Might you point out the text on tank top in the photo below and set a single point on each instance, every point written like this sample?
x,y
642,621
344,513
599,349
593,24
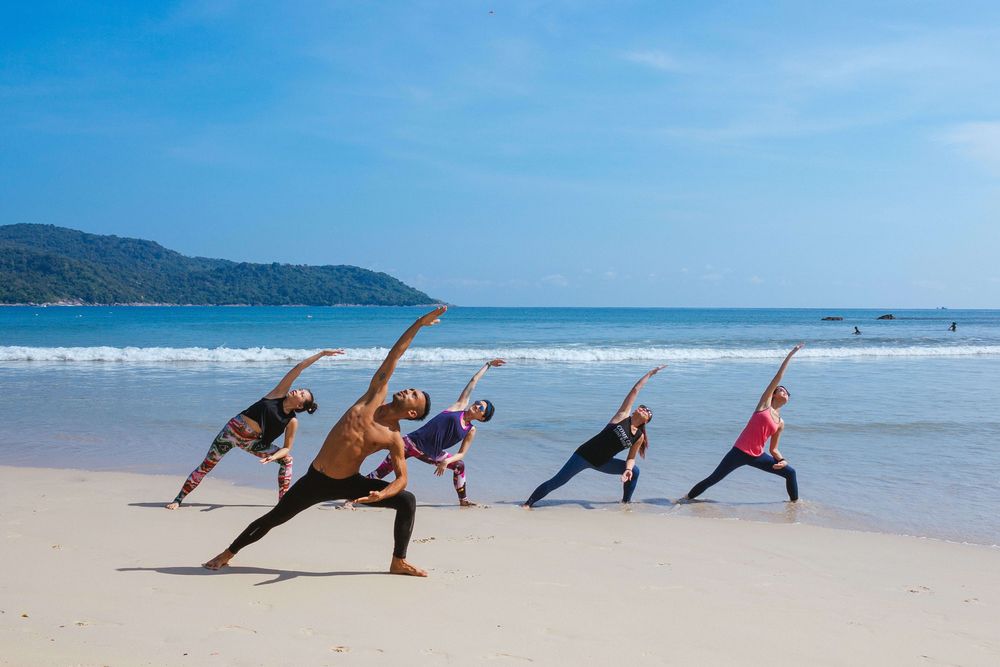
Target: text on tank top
x,y
271,416
612,439
760,427
440,433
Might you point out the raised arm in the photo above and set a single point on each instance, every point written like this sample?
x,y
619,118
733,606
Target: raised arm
x,y
286,382
377,389
626,408
463,399
765,398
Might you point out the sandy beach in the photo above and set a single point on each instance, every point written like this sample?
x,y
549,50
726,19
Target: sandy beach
x,y
96,573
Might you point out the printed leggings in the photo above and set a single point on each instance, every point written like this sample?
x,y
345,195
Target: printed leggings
x,y
236,434
737,458
457,467
578,464
315,487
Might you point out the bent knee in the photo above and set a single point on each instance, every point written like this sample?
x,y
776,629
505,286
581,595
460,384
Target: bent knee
x,y
407,500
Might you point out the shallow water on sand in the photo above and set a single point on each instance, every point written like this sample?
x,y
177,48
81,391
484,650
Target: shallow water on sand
x,y
895,430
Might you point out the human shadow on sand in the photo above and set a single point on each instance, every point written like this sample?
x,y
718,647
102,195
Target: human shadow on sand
x,y
202,507
279,575
548,502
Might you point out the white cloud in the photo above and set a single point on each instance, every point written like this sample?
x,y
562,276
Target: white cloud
x,y
656,59
979,141
756,280
556,279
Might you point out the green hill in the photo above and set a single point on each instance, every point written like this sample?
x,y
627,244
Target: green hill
x,y
48,264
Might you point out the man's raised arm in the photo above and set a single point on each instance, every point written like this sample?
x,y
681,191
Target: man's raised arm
x,y
377,389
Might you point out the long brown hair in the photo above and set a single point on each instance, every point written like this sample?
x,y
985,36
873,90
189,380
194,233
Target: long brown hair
x,y
645,441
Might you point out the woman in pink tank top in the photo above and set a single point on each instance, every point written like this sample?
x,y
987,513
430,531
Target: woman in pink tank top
x,y
765,423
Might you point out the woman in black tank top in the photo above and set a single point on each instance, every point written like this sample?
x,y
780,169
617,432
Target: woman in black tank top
x,y
626,430
254,429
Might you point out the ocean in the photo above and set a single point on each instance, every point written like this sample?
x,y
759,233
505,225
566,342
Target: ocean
x,y
895,430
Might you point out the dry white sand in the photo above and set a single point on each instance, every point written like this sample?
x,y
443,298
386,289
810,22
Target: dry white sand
x,y
94,572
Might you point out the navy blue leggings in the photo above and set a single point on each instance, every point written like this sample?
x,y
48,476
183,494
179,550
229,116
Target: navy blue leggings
x,y
578,464
737,458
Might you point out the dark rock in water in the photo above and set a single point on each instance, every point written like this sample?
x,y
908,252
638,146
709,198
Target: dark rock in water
x,y
887,316
833,318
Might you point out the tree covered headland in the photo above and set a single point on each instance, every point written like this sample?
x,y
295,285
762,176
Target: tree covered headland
x,y
49,264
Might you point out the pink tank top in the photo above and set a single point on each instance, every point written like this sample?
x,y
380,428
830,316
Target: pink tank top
x,y
760,427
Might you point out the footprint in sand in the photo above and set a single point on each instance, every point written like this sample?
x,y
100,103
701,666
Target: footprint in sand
x,y
918,589
238,628
509,656
340,649
425,540
262,605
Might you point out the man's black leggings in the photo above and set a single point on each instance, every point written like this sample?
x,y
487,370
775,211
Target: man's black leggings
x,y
315,488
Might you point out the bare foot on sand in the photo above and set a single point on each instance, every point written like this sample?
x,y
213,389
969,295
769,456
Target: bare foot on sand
x,y
172,506
526,506
465,502
220,561
400,566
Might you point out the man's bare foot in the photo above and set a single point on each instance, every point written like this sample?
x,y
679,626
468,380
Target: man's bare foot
x,y
172,506
400,566
525,506
465,502
220,561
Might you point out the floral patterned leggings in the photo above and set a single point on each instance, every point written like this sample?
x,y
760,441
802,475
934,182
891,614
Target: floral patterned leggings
x,y
457,468
237,434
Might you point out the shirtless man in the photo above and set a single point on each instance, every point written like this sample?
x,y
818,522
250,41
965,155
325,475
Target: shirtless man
x,y
367,427
430,442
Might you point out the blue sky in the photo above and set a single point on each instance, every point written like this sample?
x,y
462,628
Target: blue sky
x,y
547,153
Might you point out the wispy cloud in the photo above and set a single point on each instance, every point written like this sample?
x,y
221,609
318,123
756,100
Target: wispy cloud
x,y
656,59
978,141
556,280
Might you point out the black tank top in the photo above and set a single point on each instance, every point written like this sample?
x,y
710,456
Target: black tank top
x,y
271,416
614,438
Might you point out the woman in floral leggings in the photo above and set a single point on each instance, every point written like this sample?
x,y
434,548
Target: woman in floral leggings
x,y
254,429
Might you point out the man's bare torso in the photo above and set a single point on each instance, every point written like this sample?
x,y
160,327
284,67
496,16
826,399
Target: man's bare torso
x,y
353,439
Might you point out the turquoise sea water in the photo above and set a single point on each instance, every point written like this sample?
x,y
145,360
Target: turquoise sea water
x,y
896,430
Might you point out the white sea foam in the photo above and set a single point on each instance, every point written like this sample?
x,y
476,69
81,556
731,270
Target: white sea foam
x,y
225,355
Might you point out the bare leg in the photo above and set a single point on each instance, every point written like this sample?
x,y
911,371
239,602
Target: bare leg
x,y
400,566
